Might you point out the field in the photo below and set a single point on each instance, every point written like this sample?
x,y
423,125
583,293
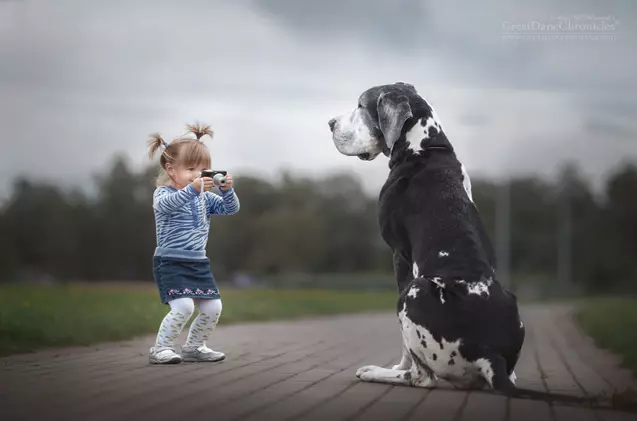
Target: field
x,y
612,322
36,317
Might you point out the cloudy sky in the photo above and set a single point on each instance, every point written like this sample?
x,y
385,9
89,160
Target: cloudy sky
x,y
83,80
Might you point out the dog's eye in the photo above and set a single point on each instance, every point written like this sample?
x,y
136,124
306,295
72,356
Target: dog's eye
x,y
359,105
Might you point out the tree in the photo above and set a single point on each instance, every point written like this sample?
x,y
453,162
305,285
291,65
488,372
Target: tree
x,y
616,232
312,225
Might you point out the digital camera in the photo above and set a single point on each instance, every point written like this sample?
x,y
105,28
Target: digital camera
x,y
218,177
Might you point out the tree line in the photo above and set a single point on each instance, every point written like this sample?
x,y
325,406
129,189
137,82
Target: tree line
x,y
310,225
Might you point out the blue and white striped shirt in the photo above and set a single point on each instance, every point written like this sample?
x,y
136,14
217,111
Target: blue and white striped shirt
x,y
181,224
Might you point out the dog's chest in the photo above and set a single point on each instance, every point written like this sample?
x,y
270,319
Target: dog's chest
x,y
442,357
391,222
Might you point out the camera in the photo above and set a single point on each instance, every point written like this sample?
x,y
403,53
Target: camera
x,y
218,177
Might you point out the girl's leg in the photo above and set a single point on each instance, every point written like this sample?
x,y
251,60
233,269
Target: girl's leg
x,y
181,310
195,348
204,323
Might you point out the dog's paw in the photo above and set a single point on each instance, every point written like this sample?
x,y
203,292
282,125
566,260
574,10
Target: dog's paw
x,y
366,371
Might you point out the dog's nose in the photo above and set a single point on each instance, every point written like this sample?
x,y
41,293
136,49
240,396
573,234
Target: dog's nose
x,y
332,123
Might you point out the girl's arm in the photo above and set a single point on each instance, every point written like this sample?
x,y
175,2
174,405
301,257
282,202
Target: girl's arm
x,y
225,204
167,201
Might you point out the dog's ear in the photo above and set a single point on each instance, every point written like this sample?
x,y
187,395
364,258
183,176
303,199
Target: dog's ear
x,y
407,85
393,110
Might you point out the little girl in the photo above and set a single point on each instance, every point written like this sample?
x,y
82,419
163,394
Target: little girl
x,y
182,206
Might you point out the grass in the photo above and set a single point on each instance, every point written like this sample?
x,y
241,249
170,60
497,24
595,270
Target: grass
x,y
612,323
34,317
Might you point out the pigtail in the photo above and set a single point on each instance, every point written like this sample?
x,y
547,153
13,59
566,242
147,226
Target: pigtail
x,y
181,151
155,143
199,130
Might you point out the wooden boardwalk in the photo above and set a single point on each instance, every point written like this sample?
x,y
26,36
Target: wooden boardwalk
x,y
302,370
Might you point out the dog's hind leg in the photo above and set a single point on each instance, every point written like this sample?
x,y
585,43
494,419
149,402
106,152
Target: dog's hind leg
x,y
493,369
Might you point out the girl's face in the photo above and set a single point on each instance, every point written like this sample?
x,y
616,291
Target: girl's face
x,y
182,175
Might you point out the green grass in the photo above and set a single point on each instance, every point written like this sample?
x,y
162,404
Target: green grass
x,y
612,323
36,317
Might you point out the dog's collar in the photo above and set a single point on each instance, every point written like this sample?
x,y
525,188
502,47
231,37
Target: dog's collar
x,y
435,147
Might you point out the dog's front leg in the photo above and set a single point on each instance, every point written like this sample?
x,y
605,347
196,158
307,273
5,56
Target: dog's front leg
x,y
405,361
415,376
403,271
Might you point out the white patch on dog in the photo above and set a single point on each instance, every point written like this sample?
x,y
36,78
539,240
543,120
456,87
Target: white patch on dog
x,y
431,122
486,369
478,287
466,182
418,133
438,282
441,285
443,253
415,270
352,136
513,377
521,324
443,358
413,292
414,137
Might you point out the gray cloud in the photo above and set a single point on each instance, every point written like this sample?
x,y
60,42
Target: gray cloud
x,y
80,82
470,36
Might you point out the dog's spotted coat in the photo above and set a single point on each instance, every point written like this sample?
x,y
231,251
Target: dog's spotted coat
x,y
457,322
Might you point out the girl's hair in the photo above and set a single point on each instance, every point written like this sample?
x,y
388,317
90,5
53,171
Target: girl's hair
x,y
182,151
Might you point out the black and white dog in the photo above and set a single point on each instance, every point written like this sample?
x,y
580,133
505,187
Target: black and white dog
x,y
458,323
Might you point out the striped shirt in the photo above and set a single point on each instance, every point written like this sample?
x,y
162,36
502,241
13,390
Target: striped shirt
x,y
182,218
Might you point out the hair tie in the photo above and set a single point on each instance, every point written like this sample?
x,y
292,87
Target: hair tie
x,y
165,144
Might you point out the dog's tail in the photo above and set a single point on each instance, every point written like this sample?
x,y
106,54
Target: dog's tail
x,y
495,373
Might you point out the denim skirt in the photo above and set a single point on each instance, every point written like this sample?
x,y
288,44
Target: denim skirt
x,y
178,277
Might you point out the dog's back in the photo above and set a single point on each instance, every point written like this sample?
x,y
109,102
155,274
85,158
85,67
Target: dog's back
x,y
426,213
455,294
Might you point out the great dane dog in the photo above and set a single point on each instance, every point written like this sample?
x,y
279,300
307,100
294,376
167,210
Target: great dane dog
x,y
458,323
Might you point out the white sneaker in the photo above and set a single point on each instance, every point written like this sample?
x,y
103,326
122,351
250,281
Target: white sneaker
x,y
201,353
163,355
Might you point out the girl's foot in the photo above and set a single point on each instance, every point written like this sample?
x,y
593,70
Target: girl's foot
x,y
163,355
201,353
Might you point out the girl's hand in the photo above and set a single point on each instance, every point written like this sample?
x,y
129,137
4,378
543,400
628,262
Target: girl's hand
x,y
207,184
228,182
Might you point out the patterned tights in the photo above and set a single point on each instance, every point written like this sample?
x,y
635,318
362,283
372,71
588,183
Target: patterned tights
x,y
181,309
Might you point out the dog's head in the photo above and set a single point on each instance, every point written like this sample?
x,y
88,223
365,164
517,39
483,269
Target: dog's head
x,y
383,115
